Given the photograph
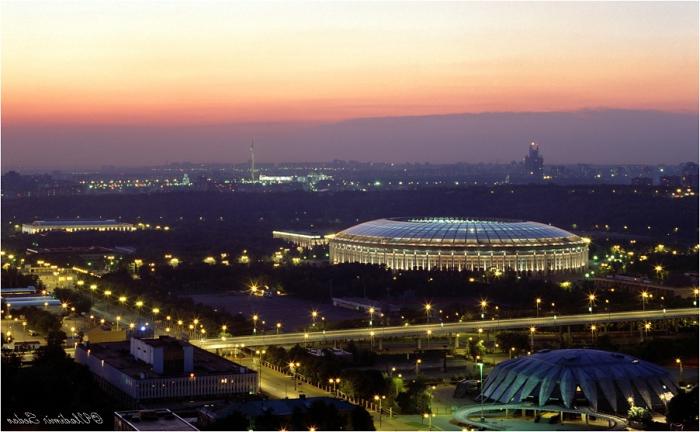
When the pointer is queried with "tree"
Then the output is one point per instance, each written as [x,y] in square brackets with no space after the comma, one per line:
[363,383]
[517,340]
[639,414]
[683,408]
[415,400]
[360,420]
[76,299]
[324,416]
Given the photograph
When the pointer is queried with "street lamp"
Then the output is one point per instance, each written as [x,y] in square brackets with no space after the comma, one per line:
[418,363]
[647,327]
[645,296]
[118,319]
[379,399]
[139,305]
[255,323]
[260,353]
[293,370]
[481,389]
[371,315]
[483,305]
[427,307]
[510,352]
[532,339]
[537,305]
[593,329]
[659,271]
[314,314]
[429,416]
[591,300]
[680,371]
[334,382]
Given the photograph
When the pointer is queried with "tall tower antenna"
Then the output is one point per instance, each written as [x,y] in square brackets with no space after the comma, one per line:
[252,159]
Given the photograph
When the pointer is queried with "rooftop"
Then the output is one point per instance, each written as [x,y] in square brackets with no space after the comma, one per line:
[448,231]
[77,222]
[154,420]
[117,355]
[277,407]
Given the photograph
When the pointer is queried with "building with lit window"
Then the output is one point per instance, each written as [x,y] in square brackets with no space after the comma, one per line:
[37,227]
[165,368]
[461,244]
[302,239]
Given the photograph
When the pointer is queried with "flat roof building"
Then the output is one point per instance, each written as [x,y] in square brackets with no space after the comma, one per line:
[165,368]
[151,420]
[37,227]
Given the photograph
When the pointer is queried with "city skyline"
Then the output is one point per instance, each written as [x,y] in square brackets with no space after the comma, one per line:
[159,83]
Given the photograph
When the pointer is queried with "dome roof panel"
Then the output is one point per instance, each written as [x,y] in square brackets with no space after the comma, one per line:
[455,231]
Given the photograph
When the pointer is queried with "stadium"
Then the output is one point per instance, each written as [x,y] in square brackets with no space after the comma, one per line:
[607,381]
[461,244]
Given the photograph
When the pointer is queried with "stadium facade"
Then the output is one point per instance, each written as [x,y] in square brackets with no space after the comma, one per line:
[461,244]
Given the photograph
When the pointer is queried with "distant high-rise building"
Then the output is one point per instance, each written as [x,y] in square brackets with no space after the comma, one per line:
[252,160]
[534,163]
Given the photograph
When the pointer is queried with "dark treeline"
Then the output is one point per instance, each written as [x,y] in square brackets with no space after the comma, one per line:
[457,293]
[203,221]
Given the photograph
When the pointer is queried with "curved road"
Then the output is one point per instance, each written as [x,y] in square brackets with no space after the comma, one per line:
[441,329]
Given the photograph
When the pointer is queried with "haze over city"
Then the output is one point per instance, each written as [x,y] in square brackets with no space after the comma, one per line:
[195,81]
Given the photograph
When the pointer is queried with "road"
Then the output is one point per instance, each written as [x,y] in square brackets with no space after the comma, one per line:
[442,329]
[278,385]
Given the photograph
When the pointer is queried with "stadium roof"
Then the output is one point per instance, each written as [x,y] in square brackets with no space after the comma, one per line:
[457,231]
[600,375]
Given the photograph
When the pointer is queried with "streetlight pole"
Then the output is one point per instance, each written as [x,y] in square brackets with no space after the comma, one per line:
[428,306]
[260,353]
[680,371]
[379,399]
[481,389]
[532,339]
[371,315]
[537,306]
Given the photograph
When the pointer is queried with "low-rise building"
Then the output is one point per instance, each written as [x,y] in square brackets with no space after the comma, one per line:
[165,368]
[76,225]
[151,420]
[282,409]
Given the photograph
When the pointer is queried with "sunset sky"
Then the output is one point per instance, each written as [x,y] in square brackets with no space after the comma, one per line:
[152,65]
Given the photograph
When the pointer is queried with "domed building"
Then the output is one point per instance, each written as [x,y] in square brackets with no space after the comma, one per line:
[461,244]
[601,380]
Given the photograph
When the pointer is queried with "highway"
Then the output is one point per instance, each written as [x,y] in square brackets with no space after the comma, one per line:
[442,329]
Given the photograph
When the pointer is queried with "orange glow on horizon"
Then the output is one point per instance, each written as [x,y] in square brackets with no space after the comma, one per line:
[196,63]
